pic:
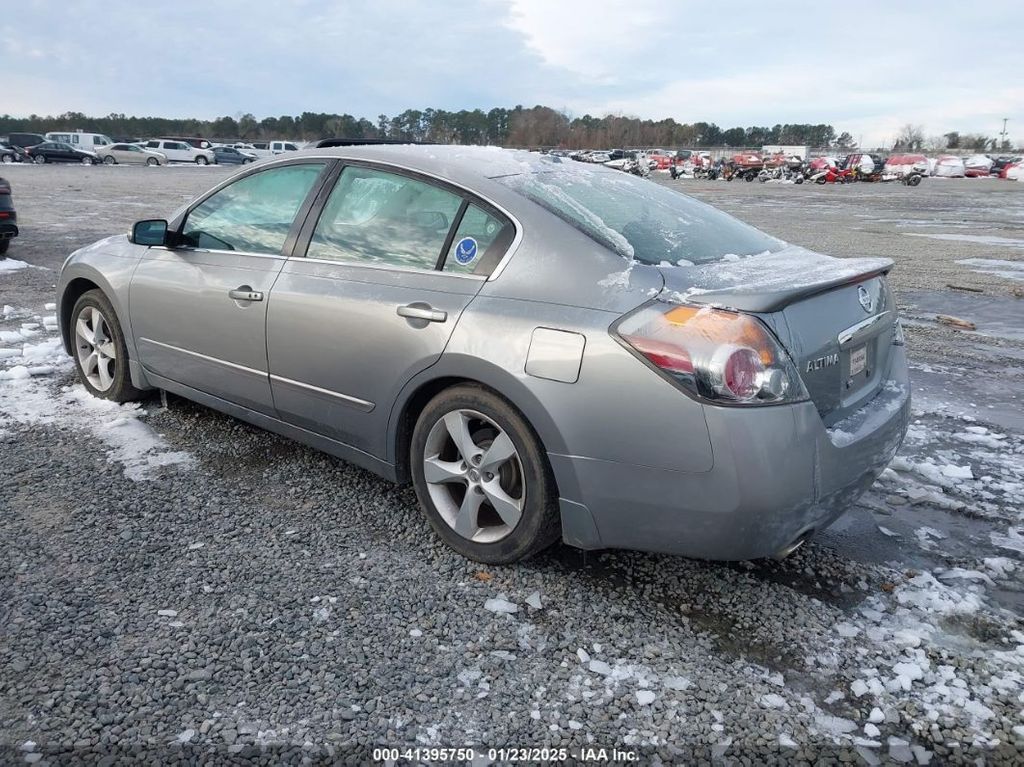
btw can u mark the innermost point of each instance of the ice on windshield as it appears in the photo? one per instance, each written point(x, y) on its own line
point(639, 219)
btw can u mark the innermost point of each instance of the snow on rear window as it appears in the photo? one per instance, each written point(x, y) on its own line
point(640, 219)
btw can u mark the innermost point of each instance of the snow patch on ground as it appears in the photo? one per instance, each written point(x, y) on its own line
point(11, 265)
point(28, 396)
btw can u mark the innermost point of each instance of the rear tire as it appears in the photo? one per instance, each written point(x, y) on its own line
point(40, 159)
point(202, 161)
point(4, 245)
point(8, 159)
point(99, 349)
point(507, 509)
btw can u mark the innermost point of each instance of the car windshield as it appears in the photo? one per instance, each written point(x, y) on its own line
point(640, 219)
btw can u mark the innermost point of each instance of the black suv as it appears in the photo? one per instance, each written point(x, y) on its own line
point(8, 218)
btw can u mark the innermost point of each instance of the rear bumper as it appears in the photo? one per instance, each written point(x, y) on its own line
point(778, 476)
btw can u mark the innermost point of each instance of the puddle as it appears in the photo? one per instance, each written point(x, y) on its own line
point(1010, 270)
point(999, 316)
point(980, 239)
point(856, 535)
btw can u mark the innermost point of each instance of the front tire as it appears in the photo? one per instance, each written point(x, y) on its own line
point(4, 245)
point(101, 356)
point(482, 478)
point(202, 161)
point(152, 161)
point(40, 159)
point(88, 161)
point(109, 160)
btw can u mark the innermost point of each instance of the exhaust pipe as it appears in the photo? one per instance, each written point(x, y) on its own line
point(785, 551)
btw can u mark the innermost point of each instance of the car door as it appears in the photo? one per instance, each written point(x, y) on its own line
point(123, 153)
point(371, 303)
point(198, 309)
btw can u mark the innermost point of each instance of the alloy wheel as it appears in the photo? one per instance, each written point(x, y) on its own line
point(474, 476)
point(97, 352)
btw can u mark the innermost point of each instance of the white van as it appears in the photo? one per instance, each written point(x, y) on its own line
point(179, 151)
point(80, 140)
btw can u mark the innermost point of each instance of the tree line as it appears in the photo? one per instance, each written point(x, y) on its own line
point(519, 126)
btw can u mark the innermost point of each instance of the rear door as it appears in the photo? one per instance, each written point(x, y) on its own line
point(199, 310)
point(375, 299)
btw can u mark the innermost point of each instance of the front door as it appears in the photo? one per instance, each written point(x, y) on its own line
point(375, 300)
point(199, 310)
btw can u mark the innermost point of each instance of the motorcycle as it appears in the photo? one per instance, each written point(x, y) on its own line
point(834, 175)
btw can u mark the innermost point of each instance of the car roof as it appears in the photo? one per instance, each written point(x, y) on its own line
point(460, 164)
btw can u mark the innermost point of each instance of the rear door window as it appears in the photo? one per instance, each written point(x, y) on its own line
point(482, 238)
point(385, 219)
point(254, 214)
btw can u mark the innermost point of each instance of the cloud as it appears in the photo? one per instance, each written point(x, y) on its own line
point(867, 69)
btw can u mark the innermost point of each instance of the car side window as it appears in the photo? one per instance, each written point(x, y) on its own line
point(254, 214)
point(385, 219)
point(481, 240)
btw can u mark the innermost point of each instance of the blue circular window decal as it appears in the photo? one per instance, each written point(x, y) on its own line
point(465, 250)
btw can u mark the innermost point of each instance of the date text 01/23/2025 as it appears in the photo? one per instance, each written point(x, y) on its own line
point(508, 754)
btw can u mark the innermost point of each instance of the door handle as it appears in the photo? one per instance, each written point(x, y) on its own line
point(422, 312)
point(245, 294)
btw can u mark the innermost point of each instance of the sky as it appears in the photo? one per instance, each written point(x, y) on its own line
point(867, 68)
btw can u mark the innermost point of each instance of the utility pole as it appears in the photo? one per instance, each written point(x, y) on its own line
point(1002, 135)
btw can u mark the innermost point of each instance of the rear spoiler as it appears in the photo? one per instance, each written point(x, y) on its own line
point(768, 283)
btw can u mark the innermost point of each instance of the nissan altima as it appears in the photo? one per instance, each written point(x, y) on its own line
point(544, 349)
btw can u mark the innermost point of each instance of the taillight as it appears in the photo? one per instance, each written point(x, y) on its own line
point(721, 356)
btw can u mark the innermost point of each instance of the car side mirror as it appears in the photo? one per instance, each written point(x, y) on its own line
point(151, 232)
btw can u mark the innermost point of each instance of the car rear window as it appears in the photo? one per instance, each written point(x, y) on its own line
point(640, 219)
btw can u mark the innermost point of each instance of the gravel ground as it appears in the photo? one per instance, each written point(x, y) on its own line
point(178, 585)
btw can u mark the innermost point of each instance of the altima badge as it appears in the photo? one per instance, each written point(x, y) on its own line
point(822, 362)
point(865, 299)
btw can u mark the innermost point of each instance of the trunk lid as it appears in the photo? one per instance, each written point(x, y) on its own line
point(834, 316)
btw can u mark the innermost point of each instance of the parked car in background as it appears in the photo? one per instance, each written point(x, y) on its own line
point(57, 151)
point(8, 217)
point(179, 151)
point(903, 164)
point(130, 154)
point(978, 166)
point(25, 140)
point(80, 140)
point(271, 148)
point(228, 155)
point(10, 153)
point(767, 384)
point(1013, 171)
point(949, 166)
point(999, 164)
point(193, 141)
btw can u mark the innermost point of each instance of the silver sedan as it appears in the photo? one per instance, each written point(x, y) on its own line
point(544, 349)
point(129, 154)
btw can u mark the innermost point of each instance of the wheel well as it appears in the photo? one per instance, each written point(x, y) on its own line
point(72, 293)
point(414, 406)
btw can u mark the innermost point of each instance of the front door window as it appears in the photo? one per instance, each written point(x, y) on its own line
point(254, 214)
